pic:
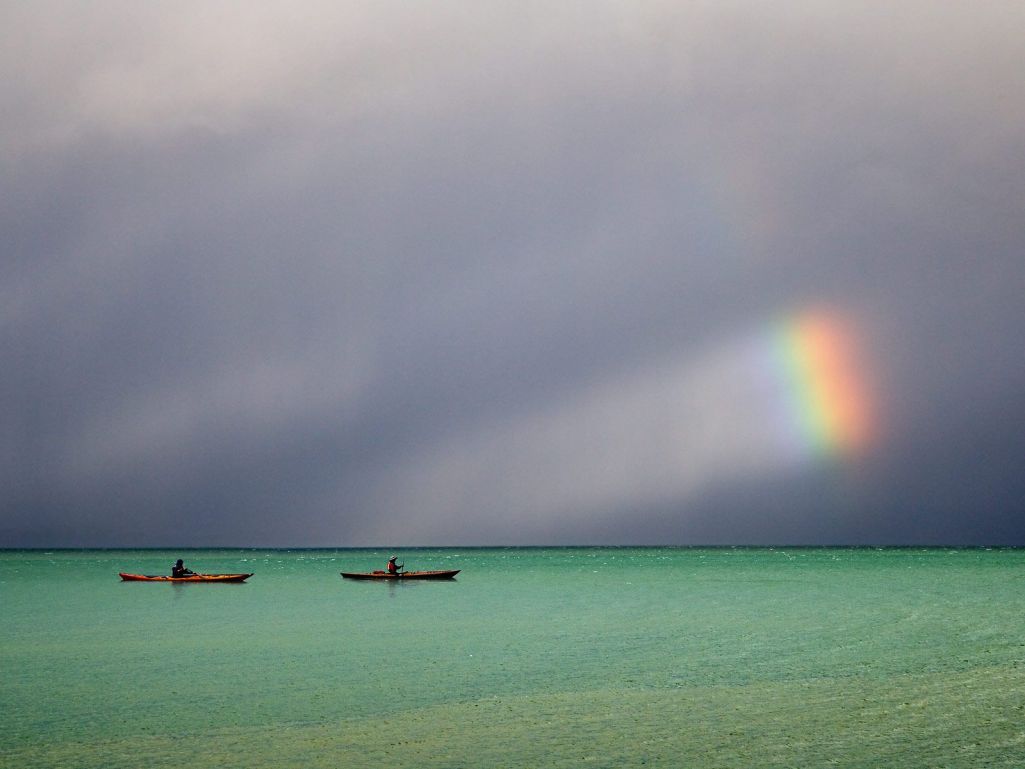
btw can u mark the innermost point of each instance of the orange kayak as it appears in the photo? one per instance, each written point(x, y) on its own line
point(190, 578)
point(401, 575)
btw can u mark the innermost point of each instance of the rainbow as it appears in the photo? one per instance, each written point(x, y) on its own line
point(826, 403)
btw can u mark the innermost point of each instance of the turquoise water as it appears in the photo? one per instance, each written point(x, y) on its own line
point(547, 657)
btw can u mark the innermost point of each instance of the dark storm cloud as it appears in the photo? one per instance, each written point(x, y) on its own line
point(458, 274)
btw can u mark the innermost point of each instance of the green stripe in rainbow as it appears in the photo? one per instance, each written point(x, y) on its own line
point(827, 399)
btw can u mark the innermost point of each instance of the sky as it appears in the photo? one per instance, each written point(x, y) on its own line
point(512, 273)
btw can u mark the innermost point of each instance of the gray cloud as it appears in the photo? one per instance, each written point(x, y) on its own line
point(342, 274)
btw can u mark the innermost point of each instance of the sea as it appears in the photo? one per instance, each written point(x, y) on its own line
point(531, 657)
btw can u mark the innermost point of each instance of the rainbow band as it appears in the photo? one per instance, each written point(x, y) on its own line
point(827, 397)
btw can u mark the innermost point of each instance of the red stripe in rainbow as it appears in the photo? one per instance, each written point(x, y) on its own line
point(830, 403)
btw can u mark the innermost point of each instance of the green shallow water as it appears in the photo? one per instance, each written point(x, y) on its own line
point(552, 657)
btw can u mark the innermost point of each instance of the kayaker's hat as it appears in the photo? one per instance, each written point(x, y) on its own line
point(179, 562)
point(393, 558)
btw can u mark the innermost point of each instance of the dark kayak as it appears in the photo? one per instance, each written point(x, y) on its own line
point(402, 575)
point(190, 578)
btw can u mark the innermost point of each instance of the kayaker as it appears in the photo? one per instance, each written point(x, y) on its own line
point(179, 570)
point(392, 568)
